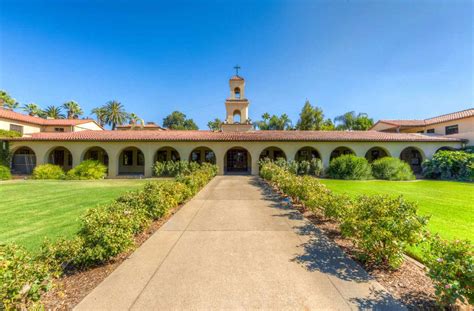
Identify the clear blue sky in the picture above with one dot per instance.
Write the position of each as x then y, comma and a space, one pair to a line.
390, 59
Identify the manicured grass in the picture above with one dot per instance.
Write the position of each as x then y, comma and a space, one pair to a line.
449, 204
31, 210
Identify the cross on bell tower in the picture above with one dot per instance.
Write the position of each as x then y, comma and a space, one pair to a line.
237, 67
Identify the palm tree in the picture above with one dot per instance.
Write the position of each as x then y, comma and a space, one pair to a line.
54, 112
100, 115
134, 119
73, 109
6, 101
32, 109
115, 113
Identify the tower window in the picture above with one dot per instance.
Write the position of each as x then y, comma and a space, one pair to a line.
236, 117
237, 93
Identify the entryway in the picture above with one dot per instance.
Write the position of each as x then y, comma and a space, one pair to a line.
237, 161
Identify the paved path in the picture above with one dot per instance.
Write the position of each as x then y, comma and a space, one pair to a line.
235, 246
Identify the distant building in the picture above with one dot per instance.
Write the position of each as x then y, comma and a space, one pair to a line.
28, 125
457, 124
149, 126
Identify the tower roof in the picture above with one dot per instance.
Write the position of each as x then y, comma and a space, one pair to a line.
235, 77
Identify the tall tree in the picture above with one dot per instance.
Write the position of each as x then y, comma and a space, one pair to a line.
350, 121
53, 112
133, 119
73, 110
178, 121
311, 118
115, 114
99, 113
215, 125
7, 102
274, 122
33, 110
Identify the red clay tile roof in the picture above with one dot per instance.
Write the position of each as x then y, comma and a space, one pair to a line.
435, 120
175, 135
15, 116
129, 126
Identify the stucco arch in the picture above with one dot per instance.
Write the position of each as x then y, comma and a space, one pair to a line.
131, 161
376, 152
272, 153
414, 156
96, 153
307, 153
61, 156
202, 154
23, 160
166, 153
237, 159
341, 150
447, 148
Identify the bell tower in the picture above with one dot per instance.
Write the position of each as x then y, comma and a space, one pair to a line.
237, 106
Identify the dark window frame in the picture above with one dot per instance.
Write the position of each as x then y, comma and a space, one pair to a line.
430, 131
127, 158
17, 128
451, 129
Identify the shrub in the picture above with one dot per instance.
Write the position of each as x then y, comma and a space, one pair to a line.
392, 169
316, 167
349, 167
9, 134
174, 168
22, 278
457, 165
381, 227
451, 268
88, 169
5, 173
48, 171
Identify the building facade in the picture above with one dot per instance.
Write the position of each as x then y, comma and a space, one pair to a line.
236, 148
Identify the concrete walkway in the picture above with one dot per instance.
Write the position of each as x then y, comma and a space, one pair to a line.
235, 246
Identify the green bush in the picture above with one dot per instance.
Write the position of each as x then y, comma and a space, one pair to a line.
88, 169
349, 167
174, 168
450, 165
381, 227
22, 278
451, 268
48, 171
5, 173
392, 169
316, 167
9, 134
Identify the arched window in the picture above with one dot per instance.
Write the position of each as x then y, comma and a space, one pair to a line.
236, 117
237, 93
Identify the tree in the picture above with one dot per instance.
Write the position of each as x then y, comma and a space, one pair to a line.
350, 121
73, 110
215, 125
53, 112
311, 119
115, 114
134, 119
328, 125
274, 122
6, 101
100, 115
177, 121
33, 110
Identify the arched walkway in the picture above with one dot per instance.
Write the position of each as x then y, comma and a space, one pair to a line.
202, 154
413, 157
131, 162
272, 153
62, 157
23, 161
307, 154
97, 154
237, 160
339, 151
375, 153
167, 154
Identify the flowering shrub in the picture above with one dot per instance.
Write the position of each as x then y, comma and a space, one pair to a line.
457, 165
174, 168
349, 167
392, 169
381, 227
48, 171
5, 173
451, 267
88, 169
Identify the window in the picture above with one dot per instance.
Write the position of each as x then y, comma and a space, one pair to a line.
452, 129
420, 132
127, 159
140, 158
237, 93
59, 129
16, 128
430, 131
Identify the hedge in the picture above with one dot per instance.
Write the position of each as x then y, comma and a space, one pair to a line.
392, 169
450, 165
5, 173
88, 169
48, 171
105, 232
381, 227
349, 167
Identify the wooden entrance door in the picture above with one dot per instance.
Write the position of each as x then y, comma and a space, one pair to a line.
237, 160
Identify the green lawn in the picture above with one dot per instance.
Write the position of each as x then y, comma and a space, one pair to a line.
31, 210
450, 204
